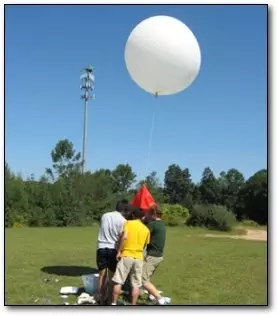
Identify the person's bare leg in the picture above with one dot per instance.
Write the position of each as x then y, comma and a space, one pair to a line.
136, 279
116, 293
101, 284
110, 286
134, 295
152, 290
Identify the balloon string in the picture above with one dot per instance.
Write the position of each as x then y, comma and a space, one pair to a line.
150, 141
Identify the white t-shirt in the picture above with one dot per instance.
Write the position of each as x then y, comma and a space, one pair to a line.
111, 227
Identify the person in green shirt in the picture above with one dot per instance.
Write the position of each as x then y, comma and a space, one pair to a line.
154, 253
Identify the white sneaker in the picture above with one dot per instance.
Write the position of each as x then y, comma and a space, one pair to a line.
151, 297
167, 300
164, 301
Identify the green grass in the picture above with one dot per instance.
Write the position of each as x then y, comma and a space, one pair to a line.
196, 270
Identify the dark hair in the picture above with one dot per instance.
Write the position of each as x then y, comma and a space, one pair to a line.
156, 211
120, 206
126, 211
135, 213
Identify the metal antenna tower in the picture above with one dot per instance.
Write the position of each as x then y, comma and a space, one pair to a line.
87, 86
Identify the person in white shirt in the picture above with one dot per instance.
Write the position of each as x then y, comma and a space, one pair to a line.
111, 228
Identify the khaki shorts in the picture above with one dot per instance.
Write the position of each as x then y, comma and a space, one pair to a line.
150, 265
129, 265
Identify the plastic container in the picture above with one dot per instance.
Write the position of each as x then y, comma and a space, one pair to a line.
90, 282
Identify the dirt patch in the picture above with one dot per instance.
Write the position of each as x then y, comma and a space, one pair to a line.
251, 234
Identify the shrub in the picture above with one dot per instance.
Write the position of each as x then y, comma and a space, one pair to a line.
249, 223
18, 221
172, 221
212, 217
17, 225
174, 214
175, 210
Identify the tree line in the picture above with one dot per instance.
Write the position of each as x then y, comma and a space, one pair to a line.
64, 196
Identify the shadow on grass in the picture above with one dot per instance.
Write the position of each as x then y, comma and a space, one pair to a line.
69, 270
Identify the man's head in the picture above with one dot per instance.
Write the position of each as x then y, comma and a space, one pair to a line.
153, 213
121, 206
135, 213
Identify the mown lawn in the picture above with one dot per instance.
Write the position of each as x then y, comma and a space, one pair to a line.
196, 271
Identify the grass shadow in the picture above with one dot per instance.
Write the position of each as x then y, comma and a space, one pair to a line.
69, 270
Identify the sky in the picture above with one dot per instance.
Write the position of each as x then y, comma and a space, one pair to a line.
220, 121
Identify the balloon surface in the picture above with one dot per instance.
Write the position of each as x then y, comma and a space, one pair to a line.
162, 55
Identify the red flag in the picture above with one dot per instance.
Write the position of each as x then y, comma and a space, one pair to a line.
143, 199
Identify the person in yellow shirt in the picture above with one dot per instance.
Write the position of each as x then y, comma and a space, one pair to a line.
135, 237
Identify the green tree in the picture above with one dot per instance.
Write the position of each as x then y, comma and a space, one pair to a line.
124, 177
16, 202
66, 197
196, 194
66, 170
177, 185
252, 202
65, 160
209, 188
230, 183
8, 177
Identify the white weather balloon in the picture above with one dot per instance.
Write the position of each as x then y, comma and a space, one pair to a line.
162, 55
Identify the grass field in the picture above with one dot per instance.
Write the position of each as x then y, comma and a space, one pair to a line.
196, 270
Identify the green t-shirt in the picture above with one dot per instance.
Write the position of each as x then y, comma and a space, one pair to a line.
158, 235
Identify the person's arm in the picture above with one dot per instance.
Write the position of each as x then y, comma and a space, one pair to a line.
148, 239
121, 232
122, 242
150, 228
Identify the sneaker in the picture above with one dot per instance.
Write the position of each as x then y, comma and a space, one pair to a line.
164, 301
167, 300
152, 298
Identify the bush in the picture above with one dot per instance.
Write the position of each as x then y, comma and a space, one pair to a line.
212, 217
17, 225
18, 220
175, 210
174, 214
249, 223
171, 221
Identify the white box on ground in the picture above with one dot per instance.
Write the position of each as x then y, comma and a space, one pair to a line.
66, 290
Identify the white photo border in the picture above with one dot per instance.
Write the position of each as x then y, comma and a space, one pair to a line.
272, 146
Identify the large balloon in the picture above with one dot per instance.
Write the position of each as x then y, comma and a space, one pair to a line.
162, 55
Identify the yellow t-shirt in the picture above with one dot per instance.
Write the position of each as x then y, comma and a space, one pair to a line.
138, 236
